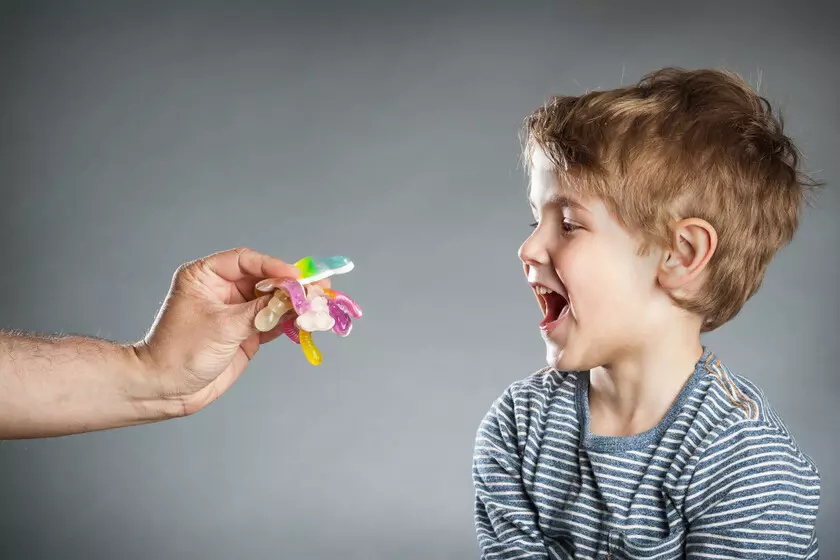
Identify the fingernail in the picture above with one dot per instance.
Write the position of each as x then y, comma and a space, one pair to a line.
265, 285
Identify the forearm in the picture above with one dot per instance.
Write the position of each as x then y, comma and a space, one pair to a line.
61, 385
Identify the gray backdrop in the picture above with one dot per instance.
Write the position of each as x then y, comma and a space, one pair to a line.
137, 135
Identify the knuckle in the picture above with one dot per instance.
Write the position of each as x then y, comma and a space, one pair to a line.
185, 268
187, 271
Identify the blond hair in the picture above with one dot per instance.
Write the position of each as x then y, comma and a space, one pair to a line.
678, 144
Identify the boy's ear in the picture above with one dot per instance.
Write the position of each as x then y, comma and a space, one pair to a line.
693, 243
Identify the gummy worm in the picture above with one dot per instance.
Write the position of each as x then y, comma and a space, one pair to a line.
342, 319
291, 330
296, 295
345, 301
309, 349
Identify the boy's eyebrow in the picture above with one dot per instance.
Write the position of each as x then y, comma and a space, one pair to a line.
562, 200
567, 202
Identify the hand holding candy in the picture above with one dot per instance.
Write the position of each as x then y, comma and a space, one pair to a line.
303, 307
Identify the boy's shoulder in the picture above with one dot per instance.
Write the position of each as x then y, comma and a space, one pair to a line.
734, 409
735, 448
734, 397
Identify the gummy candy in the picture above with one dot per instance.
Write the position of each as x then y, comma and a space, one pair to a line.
314, 269
309, 349
301, 307
271, 314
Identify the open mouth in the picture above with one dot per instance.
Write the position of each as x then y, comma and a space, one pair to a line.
554, 305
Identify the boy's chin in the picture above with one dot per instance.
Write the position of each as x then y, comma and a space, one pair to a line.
558, 357
564, 359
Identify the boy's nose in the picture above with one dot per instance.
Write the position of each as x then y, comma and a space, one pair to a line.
533, 253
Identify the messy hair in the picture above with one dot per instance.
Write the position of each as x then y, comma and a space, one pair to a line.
679, 144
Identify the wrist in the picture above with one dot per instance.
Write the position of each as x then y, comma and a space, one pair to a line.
156, 392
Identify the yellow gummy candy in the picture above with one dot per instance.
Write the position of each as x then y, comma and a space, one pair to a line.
309, 349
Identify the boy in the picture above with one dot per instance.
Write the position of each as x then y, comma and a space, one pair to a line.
658, 207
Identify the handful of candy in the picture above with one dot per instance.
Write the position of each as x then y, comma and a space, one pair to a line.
301, 307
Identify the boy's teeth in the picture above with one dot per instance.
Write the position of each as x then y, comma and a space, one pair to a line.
543, 290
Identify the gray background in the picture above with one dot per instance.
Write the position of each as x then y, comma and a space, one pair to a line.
134, 136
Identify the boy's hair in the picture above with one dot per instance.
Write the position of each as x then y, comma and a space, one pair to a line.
678, 144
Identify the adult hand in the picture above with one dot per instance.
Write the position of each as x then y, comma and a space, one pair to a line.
200, 342
204, 337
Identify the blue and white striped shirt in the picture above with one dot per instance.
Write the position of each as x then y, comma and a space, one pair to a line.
719, 477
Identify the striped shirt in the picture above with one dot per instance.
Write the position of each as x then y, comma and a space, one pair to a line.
719, 477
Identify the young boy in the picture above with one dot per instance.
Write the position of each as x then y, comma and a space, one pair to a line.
658, 208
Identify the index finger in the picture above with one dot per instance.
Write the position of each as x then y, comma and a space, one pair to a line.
270, 284
238, 264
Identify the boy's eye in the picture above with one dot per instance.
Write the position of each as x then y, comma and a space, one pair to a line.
569, 227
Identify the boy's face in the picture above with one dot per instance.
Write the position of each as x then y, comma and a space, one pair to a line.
603, 297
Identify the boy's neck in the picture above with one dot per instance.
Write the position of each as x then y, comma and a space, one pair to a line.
633, 394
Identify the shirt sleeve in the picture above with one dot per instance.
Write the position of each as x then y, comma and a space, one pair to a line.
753, 494
505, 517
